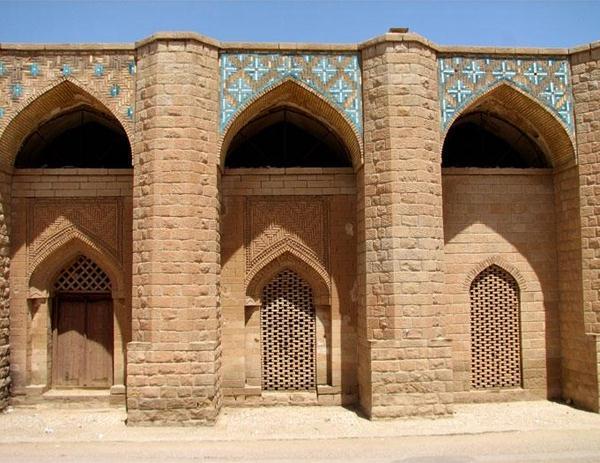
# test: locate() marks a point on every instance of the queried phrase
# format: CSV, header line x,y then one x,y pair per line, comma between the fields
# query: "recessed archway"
x,y
58,99
513,125
295,96
286,137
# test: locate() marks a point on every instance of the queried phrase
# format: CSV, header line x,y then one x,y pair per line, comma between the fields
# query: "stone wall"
x,y
174,361
4,289
504,217
407,370
582,329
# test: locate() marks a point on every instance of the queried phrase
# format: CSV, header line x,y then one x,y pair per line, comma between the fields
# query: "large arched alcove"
x,y
68,158
285,137
503,161
288,185
81,137
504,127
296,96
57,99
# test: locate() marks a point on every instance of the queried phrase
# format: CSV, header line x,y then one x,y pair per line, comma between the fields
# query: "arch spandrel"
x,y
328,87
59,96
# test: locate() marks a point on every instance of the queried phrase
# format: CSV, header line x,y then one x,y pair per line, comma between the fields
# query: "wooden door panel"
x,y
83,339
99,343
70,343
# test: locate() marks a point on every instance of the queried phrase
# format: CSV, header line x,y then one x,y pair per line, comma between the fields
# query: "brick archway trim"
x,y
499,262
310,272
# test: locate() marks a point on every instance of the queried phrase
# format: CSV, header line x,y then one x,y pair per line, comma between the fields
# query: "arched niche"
x,y
41,300
59,98
295,96
325,341
510,120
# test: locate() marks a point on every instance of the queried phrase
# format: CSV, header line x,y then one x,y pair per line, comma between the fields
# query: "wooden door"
x,y
83,339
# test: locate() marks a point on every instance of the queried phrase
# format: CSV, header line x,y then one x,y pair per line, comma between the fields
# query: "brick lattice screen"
x,y
495,333
288,334
83,276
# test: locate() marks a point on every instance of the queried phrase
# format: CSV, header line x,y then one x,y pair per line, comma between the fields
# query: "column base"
x,y
173,384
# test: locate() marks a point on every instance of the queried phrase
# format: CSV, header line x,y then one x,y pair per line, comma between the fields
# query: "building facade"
x,y
187,224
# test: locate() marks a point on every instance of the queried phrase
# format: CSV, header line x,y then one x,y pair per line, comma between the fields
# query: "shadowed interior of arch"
x,y
82,137
286,137
482,139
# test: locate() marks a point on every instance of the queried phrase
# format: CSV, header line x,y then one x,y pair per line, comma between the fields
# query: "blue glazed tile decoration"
x,y
129,112
336,77
66,70
132,68
16,90
1,113
98,70
2,69
462,79
34,70
115,90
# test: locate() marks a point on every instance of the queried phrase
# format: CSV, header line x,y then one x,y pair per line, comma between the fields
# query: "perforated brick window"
x,y
82,276
495,332
287,322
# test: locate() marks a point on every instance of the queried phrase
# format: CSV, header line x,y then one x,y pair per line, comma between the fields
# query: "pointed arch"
x,y
512,104
50,102
295,94
314,275
497,261
46,271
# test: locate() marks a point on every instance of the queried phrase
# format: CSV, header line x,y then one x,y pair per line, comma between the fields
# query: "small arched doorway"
x,y
288,331
82,326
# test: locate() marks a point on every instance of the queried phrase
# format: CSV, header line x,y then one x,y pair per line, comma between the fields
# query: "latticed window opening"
x,y
82,276
495,332
288,334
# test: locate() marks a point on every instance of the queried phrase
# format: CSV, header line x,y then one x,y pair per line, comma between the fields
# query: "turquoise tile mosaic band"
x,y
462,79
336,77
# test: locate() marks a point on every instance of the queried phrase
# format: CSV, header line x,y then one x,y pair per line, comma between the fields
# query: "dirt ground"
x,y
43,424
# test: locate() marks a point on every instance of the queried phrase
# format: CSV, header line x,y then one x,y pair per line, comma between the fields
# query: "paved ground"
x,y
505,432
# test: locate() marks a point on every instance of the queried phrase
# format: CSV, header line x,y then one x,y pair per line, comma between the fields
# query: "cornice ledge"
x,y
500,51
174,36
57,47
587,47
229,47
392,37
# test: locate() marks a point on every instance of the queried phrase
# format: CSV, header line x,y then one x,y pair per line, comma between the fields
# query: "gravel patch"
x,y
44,424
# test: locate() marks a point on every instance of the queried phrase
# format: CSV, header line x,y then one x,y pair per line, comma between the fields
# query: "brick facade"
x,y
389,245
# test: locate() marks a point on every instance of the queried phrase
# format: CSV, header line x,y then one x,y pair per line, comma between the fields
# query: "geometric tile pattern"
x,y
462,79
335,77
110,75
495,333
287,320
